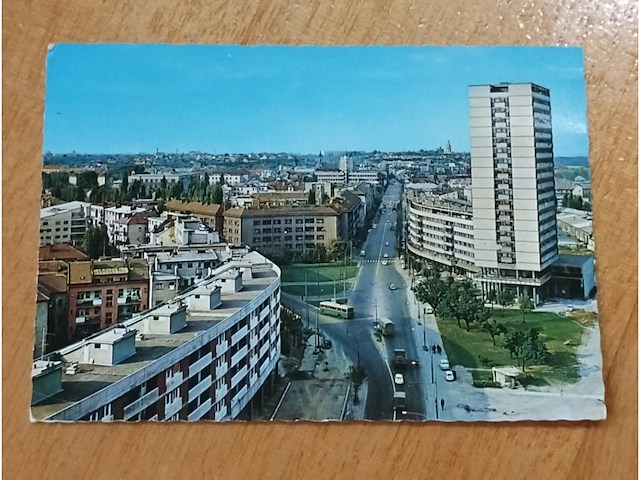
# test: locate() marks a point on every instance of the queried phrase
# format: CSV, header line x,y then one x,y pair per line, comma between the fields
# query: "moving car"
x,y
386,244
444,364
429,310
392,286
385,263
386,255
398,379
449,375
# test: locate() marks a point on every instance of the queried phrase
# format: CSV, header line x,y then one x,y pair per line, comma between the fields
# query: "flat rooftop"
x,y
93,378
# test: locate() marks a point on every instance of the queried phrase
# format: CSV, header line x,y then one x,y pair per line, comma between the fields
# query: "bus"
x,y
386,327
336,309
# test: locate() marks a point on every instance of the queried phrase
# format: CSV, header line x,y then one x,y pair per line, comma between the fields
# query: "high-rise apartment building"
x,y
514,203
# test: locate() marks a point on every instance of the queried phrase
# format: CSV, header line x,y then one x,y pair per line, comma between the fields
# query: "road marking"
x,y
275,412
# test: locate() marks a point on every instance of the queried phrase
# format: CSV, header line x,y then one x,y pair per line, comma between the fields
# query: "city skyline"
x,y
231,99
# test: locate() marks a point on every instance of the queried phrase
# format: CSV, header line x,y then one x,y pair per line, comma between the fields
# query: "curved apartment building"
x,y
207,354
441,231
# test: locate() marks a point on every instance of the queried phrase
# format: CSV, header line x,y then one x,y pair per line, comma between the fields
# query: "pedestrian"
x,y
442,403
439,350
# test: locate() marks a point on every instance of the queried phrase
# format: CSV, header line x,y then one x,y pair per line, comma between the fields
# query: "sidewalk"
x,y
464,402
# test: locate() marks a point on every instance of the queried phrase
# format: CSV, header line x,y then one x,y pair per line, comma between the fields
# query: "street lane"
x,y
372,299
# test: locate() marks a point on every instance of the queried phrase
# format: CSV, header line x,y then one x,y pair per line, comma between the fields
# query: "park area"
x,y
321,279
475,350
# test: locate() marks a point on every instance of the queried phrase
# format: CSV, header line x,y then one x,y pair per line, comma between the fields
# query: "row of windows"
x,y
288,221
287,238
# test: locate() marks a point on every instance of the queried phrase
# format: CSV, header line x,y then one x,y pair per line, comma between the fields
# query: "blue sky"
x,y
223,99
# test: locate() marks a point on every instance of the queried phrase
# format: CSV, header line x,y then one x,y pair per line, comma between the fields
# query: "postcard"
x,y
281,233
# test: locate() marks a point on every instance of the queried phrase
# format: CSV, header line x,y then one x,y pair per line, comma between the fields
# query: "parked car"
x,y
386,255
399,379
444,364
429,310
392,286
327,344
386,244
449,375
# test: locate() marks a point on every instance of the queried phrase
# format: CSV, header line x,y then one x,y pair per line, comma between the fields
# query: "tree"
x,y
217,194
513,342
494,329
337,249
492,298
311,200
96,242
533,349
506,299
357,375
526,346
124,186
526,305
432,290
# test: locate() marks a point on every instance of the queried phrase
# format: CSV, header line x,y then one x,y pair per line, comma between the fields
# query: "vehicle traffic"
x,y
449,376
386,327
444,364
335,309
398,379
392,286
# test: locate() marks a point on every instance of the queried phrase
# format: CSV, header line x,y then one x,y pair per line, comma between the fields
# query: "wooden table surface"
x,y
606,450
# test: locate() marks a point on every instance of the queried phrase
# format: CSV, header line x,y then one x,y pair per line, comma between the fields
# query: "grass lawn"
x,y
580,250
317,273
467,348
314,289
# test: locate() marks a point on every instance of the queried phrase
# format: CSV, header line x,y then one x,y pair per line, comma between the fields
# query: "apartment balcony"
x,y
174,381
201,411
89,301
239,335
239,376
171,408
222,370
239,356
140,404
221,392
222,348
198,365
200,388
129,300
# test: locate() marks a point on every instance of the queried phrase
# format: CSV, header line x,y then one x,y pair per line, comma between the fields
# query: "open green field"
x,y
474,349
581,250
315,290
317,273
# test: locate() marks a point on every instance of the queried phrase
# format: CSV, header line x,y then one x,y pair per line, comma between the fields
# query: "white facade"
x,y
331,176
65,223
112,218
514,200
154,180
230,178
190,267
441,231
363,176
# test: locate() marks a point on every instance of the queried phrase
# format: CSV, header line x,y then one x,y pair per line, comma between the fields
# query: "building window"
x,y
287,221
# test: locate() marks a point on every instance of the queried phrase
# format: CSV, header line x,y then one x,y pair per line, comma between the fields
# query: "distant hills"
x,y
571,161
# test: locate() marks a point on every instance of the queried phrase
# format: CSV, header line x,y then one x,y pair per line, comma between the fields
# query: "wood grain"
x,y
608,32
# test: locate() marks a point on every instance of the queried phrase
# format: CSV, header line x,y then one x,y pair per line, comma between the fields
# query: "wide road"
x,y
372,299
